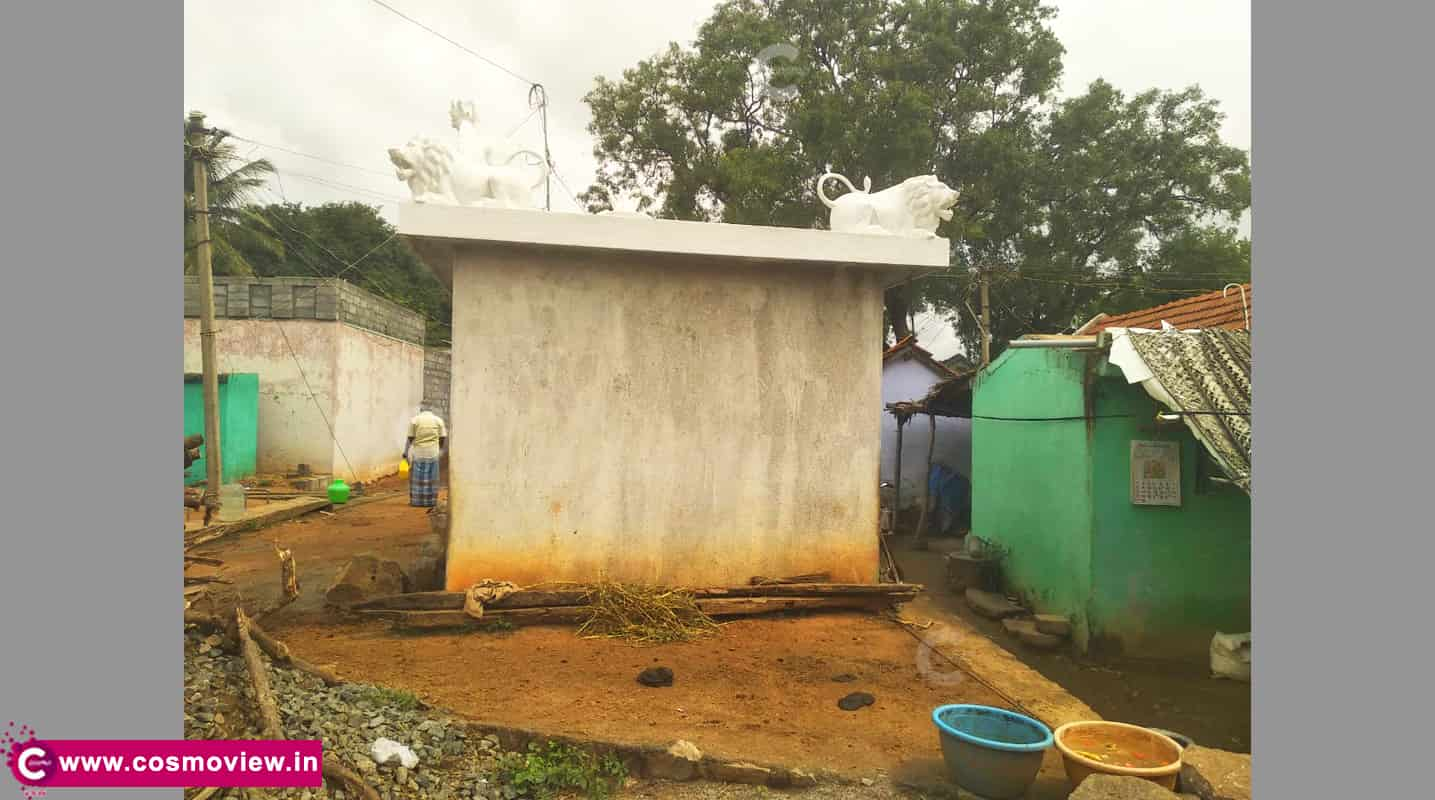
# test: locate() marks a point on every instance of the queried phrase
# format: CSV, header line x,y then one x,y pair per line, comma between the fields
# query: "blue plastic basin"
x,y
989,751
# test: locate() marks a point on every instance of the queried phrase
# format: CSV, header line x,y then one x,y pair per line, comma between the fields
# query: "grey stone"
x,y
739,772
365,577
678,763
1025,630
1099,786
1213,774
801,780
992,606
1054,624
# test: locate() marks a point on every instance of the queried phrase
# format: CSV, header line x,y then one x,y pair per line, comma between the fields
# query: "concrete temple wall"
x,y
644,419
661,401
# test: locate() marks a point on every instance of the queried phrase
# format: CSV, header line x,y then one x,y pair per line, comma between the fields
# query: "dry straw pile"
x,y
652,614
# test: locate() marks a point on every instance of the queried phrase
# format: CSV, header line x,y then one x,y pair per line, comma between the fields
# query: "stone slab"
x,y
992,606
1053,624
1213,774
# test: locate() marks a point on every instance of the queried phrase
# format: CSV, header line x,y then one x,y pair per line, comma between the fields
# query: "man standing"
x,y
427,439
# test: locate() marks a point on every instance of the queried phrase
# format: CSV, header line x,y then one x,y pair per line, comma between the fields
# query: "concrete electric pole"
x,y
198,139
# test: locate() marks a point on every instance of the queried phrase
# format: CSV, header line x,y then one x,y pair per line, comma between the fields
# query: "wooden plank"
x,y
215,532
745,606
436,620
815,577
811,589
524,598
559,615
209,562
448,601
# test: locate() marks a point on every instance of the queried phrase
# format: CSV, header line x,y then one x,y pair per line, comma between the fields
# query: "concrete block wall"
x,y
438,373
302,297
365,310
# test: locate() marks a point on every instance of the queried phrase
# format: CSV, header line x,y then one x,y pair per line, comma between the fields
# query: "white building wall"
x,y
367,385
908,379
291,425
378,385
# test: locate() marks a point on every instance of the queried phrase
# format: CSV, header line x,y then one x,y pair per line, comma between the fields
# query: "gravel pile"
x,y
453,764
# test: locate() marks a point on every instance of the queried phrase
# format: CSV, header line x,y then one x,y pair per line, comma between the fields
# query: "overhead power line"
x,y
459,45
314,157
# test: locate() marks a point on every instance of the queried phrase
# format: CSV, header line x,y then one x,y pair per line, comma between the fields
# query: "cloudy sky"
x,y
343,80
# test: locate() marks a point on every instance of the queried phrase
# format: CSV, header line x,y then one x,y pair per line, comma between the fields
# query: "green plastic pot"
x,y
338,492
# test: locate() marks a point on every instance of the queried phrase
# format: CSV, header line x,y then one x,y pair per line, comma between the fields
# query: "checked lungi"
x,y
423,482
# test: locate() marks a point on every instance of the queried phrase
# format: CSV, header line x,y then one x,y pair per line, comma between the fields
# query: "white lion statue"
x,y
434,175
913,207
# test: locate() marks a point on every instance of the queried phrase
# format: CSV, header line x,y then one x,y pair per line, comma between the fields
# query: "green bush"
x,y
544,772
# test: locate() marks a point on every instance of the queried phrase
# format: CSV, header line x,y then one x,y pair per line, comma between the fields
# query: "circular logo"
x,y
932,663
34,763
773,52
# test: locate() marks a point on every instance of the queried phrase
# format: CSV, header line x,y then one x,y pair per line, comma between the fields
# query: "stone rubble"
x,y
452,763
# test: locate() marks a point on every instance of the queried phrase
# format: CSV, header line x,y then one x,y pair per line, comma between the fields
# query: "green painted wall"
x,y
1164,580
1031,491
1146,581
238,425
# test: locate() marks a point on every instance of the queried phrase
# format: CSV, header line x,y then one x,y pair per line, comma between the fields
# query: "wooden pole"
x,y
208,359
897,477
927,484
986,318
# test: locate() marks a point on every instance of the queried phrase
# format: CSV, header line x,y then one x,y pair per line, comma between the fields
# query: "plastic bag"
x,y
1231,656
385,750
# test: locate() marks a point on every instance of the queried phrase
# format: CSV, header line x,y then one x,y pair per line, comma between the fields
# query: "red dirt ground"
x,y
761,690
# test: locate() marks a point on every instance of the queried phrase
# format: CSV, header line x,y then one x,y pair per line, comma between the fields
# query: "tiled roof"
x,y
1204,311
909,343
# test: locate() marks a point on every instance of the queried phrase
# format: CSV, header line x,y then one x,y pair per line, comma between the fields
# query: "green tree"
x,y
234,227
353,242
1065,199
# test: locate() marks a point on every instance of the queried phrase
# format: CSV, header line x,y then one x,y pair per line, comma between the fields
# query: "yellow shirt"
x,y
426,430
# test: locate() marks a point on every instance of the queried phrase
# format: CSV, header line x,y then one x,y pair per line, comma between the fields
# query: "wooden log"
x,y
335,771
448,601
275,649
280,653
269,710
747,606
524,598
209,562
559,615
259,679
216,532
448,618
811,590
815,577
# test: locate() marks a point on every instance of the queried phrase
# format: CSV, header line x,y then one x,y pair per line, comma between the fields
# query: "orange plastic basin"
x,y
1116,748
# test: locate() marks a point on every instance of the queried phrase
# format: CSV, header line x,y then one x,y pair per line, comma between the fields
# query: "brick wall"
x,y
306,298
438,372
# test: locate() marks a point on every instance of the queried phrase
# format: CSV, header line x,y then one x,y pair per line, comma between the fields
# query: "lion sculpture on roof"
x,y
914,207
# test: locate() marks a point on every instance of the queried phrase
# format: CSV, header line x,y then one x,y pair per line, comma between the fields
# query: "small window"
x,y
306,302
260,301
221,300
